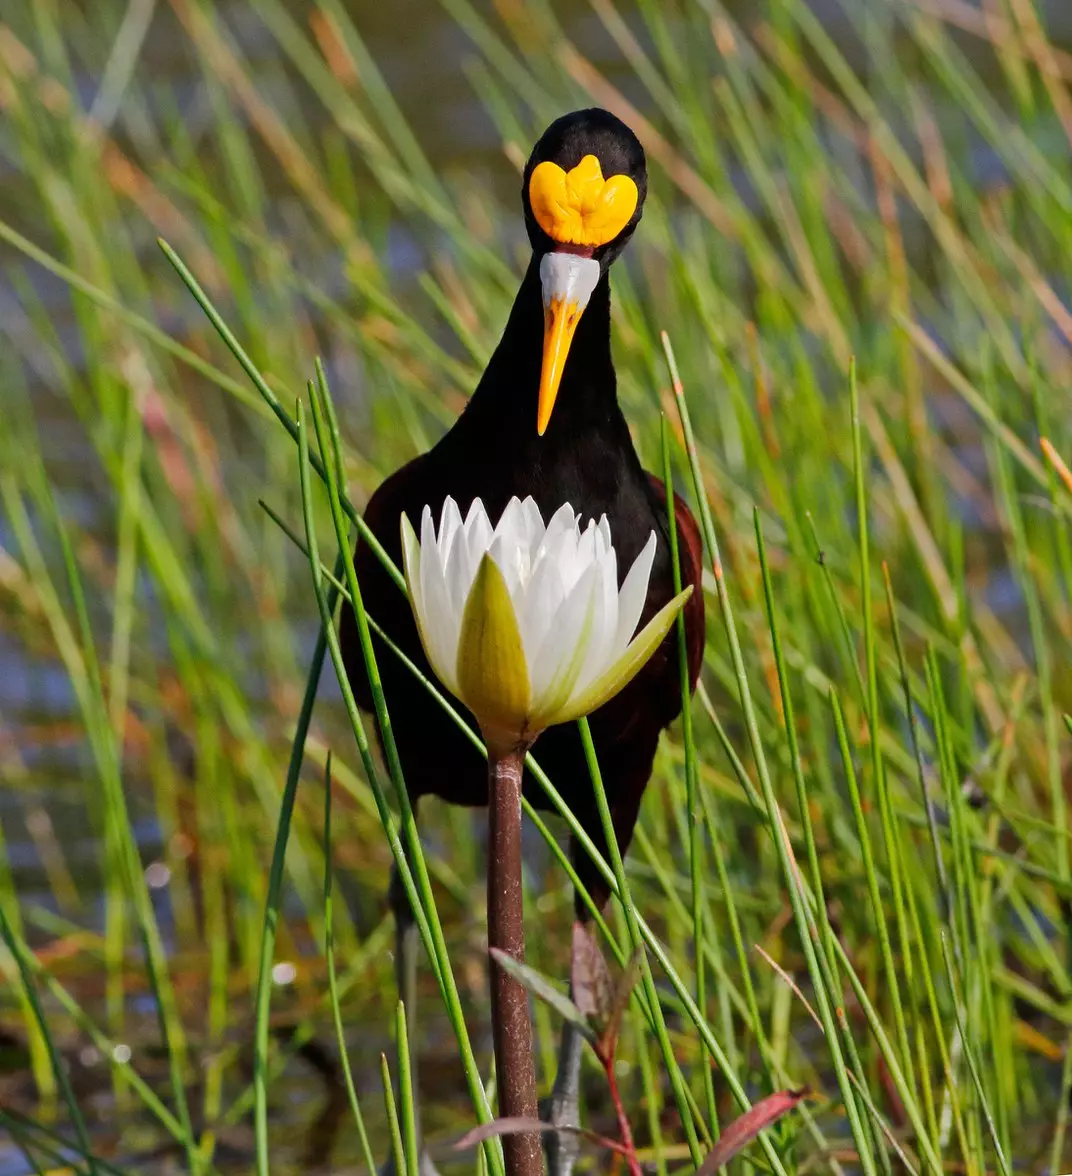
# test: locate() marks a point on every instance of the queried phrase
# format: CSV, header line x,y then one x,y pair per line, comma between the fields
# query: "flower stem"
x,y
511,1021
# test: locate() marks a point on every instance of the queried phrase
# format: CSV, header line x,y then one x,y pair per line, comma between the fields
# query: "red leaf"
x,y
742,1131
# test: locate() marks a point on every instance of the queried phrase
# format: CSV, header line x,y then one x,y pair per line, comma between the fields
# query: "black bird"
x,y
544,421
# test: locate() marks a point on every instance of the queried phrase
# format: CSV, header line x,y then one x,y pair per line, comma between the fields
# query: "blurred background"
x,y
888,179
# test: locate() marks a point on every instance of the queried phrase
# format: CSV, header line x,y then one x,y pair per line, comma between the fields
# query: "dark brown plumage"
x,y
585,457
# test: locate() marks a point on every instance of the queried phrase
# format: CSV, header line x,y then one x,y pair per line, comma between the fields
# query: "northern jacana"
x,y
544,421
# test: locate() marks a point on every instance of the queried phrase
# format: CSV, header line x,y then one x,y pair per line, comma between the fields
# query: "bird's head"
x,y
583,193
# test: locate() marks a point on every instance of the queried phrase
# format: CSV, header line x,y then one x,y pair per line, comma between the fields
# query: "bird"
x,y
543,422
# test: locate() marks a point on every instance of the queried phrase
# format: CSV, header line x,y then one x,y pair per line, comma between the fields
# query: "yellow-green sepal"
x,y
493,676
631,662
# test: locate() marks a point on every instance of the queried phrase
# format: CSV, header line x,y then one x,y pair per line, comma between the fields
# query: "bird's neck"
x,y
587,397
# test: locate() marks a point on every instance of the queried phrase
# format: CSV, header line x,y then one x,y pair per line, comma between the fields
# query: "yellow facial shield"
x,y
579,207
567,280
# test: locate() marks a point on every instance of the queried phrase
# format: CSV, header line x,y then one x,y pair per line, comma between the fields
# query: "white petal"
x,y
562,549
561,523
440,622
586,548
633,594
543,596
470,544
512,560
560,658
450,525
459,572
511,534
478,532
624,668
510,522
601,651
411,563
534,528
576,553
429,550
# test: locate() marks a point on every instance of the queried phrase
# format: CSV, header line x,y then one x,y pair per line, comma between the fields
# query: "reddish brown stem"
x,y
628,1147
511,1021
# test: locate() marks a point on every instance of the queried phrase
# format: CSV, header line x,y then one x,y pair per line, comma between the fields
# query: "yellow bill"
x,y
568,281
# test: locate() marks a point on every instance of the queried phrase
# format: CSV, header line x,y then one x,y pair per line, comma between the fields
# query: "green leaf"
x,y
545,990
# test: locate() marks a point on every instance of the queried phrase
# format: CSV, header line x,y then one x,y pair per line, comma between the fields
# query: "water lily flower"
x,y
525,623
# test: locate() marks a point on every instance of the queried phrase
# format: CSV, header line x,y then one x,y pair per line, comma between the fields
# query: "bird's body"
x,y
544,422
585,458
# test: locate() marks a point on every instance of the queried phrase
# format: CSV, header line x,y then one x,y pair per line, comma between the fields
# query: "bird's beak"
x,y
568,280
